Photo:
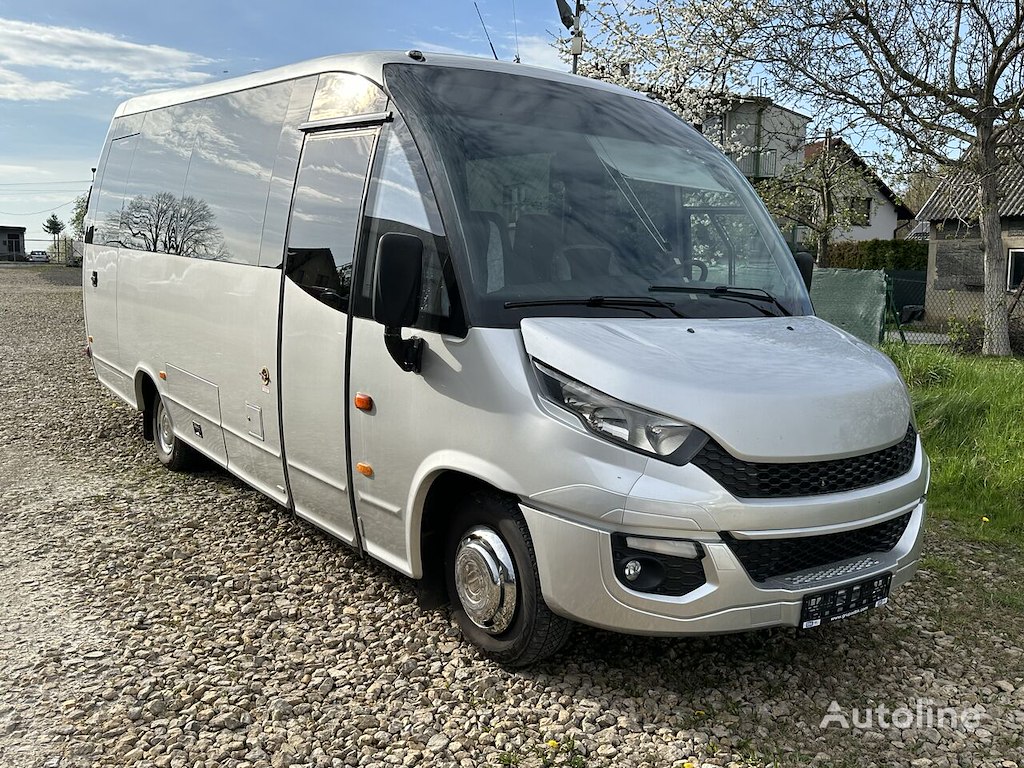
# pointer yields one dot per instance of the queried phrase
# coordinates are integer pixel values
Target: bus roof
(369, 65)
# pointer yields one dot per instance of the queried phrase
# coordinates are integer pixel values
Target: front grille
(767, 480)
(767, 558)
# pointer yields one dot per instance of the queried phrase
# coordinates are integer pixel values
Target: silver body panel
(211, 328)
(313, 389)
(829, 394)
(787, 389)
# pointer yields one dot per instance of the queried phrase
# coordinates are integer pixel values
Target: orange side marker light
(364, 469)
(363, 401)
(163, 375)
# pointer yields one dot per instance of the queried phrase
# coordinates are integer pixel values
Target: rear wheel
(172, 452)
(493, 585)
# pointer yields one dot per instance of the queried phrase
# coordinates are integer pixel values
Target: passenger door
(99, 268)
(317, 279)
(409, 413)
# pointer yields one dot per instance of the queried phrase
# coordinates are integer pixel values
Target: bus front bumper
(578, 581)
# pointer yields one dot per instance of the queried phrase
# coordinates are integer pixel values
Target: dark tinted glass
(325, 214)
(286, 164)
(229, 175)
(127, 125)
(400, 199)
(108, 199)
(1016, 267)
(569, 192)
(342, 95)
(155, 217)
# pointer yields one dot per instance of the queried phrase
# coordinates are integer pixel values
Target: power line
(40, 183)
(37, 191)
(36, 213)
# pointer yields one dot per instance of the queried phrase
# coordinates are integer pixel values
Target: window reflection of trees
(165, 223)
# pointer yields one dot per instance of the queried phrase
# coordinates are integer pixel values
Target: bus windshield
(582, 201)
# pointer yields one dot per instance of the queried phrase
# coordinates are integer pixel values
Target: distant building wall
(956, 267)
(762, 137)
(12, 243)
(881, 224)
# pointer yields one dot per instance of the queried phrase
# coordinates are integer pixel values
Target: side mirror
(805, 263)
(397, 281)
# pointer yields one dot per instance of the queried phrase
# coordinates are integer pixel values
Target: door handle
(94, 279)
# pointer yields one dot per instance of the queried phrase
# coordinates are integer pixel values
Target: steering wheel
(686, 267)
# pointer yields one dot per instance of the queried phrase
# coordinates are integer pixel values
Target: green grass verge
(970, 413)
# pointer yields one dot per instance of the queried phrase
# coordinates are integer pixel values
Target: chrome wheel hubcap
(164, 429)
(485, 580)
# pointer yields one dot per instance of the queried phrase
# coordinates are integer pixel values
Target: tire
(174, 454)
(512, 625)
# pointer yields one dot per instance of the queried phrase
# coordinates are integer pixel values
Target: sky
(65, 65)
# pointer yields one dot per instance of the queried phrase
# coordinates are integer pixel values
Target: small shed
(12, 243)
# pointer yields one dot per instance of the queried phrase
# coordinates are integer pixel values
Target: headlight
(621, 423)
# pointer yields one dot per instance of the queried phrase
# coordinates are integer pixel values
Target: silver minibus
(523, 336)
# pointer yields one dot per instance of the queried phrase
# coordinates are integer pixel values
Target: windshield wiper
(735, 292)
(639, 303)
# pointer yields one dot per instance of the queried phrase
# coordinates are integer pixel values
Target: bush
(880, 254)
(972, 426)
(966, 336)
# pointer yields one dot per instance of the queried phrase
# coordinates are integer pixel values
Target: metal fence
(952, 318)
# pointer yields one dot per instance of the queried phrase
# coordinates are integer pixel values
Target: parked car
(39, 257)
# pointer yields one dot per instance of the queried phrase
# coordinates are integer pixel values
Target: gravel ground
(148, 618)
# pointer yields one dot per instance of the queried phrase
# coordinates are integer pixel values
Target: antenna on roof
(515, 29)
(486, 33)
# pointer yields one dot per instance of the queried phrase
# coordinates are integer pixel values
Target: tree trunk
(997, 332)
(824, 238)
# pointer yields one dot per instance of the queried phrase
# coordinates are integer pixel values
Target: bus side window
(325, 215)
(108, 201)
(401, 200)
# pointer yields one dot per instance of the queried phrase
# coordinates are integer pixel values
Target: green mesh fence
(853, 299)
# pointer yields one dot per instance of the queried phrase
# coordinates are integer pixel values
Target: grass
(970, 413)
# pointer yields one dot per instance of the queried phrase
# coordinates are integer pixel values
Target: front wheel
(493, 585)
(172, 452)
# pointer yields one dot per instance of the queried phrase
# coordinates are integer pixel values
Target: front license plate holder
(842, 602)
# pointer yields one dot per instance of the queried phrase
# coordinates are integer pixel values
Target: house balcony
(756, 165)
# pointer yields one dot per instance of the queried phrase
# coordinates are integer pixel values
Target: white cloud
(28, 47)
(539, 51)
(17, 87)
(427, 47)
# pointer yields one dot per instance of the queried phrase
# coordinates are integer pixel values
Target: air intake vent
(767, 558)
(754, 480)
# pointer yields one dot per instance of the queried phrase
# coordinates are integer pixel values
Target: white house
(761, 136)
(876, 209)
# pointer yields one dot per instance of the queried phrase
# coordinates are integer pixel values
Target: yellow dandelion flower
(552, 744)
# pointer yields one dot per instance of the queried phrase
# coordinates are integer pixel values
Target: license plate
(843, 602)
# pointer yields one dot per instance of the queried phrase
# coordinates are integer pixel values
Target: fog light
(657, 566)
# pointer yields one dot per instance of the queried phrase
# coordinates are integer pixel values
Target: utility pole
(571, 21)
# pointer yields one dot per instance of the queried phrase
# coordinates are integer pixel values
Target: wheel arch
(146, 393)
(432, 502)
